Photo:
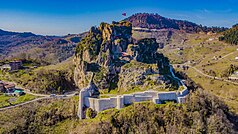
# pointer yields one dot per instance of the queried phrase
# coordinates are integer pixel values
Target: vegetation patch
(231, 35)
(9, 100)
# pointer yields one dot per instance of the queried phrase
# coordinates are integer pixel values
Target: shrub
(90, 113)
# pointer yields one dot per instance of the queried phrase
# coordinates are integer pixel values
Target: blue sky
(60, 17)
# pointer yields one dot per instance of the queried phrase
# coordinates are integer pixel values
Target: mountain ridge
(3, 32)
(156, 21)
(14, 44)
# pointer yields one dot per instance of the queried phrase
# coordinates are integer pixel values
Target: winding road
(209, 76)
(43, 97)
(226, 55)
(206, 75)
(212, 77)
(67, 95)
(24, 103)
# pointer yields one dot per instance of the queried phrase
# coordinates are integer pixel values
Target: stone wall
(86, 100)
(100, 104)
(166, 96)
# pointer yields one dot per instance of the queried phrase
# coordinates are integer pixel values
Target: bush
(230, 70)
(90, 113)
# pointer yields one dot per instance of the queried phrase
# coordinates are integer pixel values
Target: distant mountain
(44, 49)
(155, 21)
(25, 34)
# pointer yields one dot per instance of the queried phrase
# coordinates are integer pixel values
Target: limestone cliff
(99, 52)
(108, 52)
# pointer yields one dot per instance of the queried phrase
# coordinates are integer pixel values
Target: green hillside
(231, 35)
(45, 79)
(203, 113)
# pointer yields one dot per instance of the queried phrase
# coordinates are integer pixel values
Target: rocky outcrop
(100, 52)
(109, 53)
(148, 70)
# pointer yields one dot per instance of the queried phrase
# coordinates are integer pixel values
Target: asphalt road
(38, 99)
(24, 103)
(42, 97)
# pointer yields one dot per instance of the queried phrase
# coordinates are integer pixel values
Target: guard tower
(90, 91)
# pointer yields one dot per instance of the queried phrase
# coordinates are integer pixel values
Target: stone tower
(90, 91)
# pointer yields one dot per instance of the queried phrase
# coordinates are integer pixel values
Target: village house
(9, 89)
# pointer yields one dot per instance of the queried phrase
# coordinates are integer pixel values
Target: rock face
(100, 52)
(109, 53)
(146, 72)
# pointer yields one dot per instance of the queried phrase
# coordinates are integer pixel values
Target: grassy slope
(4, 100)
(39, 78)
(38, 117)
(151, 118)
(201, 51)
(225, 91)
(59, 116)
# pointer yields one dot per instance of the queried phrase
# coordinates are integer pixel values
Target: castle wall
(100, 104)
(119, 101)
(184, 92)
(128, 99)
(143, 98)
(156, 101)
(107, 103)
(91, 103)
(151, 93)
(182, 99)
(165, 96)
